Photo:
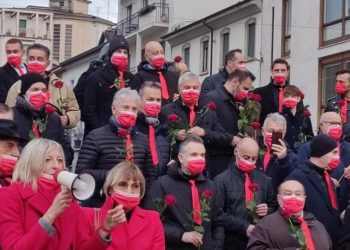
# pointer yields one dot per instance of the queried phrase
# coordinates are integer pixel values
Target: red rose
(306, 112)
(207, 194)
(49, 109)
(177, 59)
(122, 132)
(169, 200)
(212, 106)
(255, 125)
(254, 97)
(58, 84)
(254, 186)
(340, 102)
(173, 118)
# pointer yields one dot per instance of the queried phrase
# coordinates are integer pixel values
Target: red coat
(20, 210)
(143, 231)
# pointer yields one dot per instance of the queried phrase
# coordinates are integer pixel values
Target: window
(204, 56)
(145, 3)
(128, 14)
(22, 27)
(335, 21)
(225, 38)
(68, 42)
(186, 55)
(251, 40)
(61, 3)
(56, 42)
(286, 27)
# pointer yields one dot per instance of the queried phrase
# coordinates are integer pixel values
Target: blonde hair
(124, 170)
(31, 162)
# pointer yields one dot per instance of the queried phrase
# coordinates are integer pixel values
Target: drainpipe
(272, 32)
(211, 46)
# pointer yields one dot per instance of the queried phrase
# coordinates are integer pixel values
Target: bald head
(327, 116)
(154, 54)
(291, 186)
(247, 149)
(153, 46)
(328, 119)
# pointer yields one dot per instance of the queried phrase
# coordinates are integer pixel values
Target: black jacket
(177, 220)
(24, 115)
(102, 149)
(212, 82)
(162, 142)
(8, 76)
(317, 198)
(145, 73)
(231, 198)
(99, 95)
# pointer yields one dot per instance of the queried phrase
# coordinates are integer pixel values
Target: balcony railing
(154, 13)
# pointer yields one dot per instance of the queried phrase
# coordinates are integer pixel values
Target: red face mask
(292, 205)
(14, 60)
(335, 132)
(290, 103)
(268, 140)
(152, 109)
(340, 88)
(38, 99)
(126, 119)
(128, 201)
(121, 61)
(190, 98)
(244, 165)
(36, 67)
(7, 165)
(47, 182)
(196, 166)
(241, 95)
(158, 61)
(333, 164)
(279, 79)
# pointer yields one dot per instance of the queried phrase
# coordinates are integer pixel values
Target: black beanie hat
(118, 42)
(321, 145)
(28, 80)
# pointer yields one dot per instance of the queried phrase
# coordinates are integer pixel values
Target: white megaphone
(81, 186)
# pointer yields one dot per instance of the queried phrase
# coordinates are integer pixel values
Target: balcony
(148, 19)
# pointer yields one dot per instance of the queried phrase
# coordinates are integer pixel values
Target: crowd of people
(178, 163)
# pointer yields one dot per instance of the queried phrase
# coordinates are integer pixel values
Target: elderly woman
(121, 223)
(36, 213)
(117, 141)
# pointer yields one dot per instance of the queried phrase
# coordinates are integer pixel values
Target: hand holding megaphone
(62, 200)
(81, 186)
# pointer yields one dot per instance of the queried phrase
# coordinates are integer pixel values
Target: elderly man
(278, 161)
(274, 230)
(321, 199)
(187, 192)
(193, 120)
(106, 146)
(234, 59)
(244, 194)
(155, 69)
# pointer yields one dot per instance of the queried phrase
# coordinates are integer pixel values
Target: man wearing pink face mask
(314, 174)
(117, 141)
(236, 192)
(272, 93)
(273, 231)
(187, 183)
(13, 69)
(155, 69)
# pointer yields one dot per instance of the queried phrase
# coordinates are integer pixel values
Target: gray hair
(188, 77)
(126, 93)
(192, 138)
(276, 117)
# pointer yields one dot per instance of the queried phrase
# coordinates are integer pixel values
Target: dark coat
(99, 95)
(177, 221)
(145, 73)
(344, 235)
(272, 232)
(8, 76)
(297, 125)
(162, 140)
(212, 82)
(216, 140)
(231, 199)
(24, 115)
(102, 150)
(317, 198)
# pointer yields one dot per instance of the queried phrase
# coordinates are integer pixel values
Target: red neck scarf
(249, 194)
(20, 70)
(192, 116)
(197, 217)
(152, 145)
(343, 112)
(280, 99)
(307, 234)
(35, 129)
(331, 193)
(266, 160)
(165, 94)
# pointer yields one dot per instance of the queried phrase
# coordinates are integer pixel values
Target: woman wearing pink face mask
(299, 127)
(117, 141)
(36, 117)
(120, 223)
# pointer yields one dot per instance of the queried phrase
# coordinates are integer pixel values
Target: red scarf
(343, 112)
(152, 145)
(307, 234)
(165, 94)
(266, 160)
(35, 129)
(280, 99)
(20, 70)
(331, 193)
(192, 116)
(197, 217)
(249, 195)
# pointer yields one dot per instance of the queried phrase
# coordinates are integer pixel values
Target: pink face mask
(244, 165)
(157, 61)
(334, 163)
(190, 98)
(38, 99)
(14, 60)
(128, 201)
(241, 95)
(7, 164)
(290, 103)
(36, 67)
(279, 78)
(121, 61)
(126, 119)
(47, 182)
(292, 205)
(340, 88)
(152, 109)
(195, 166)
(335, 132)
(268, 140)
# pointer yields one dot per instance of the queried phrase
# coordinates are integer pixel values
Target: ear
(299, 99)
(47, 63)
(114, 109)
(180, 156)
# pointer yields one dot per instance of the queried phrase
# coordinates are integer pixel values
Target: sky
(96, 8)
